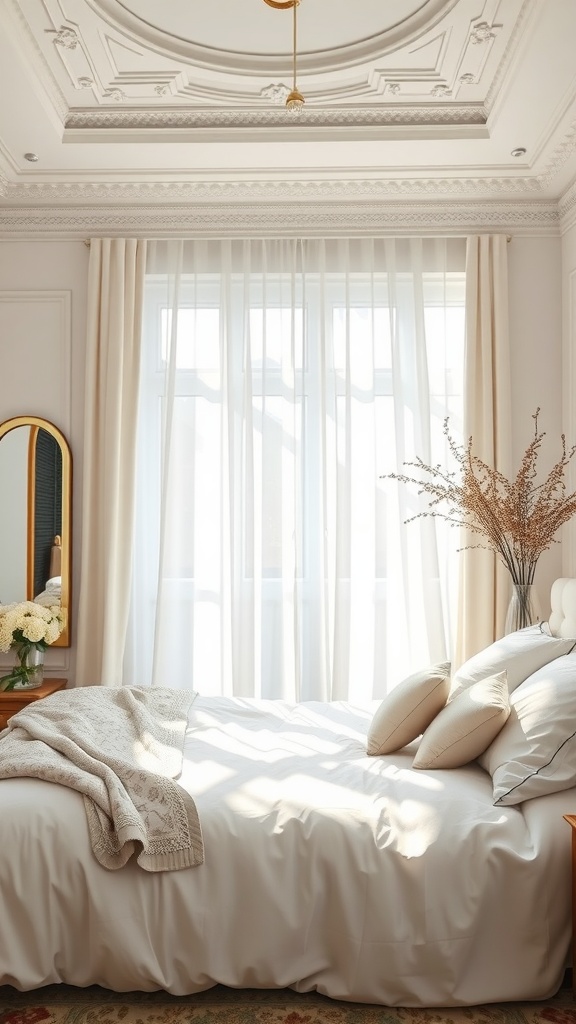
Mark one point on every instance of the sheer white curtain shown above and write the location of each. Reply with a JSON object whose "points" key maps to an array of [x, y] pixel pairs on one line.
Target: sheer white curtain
{"points": [[280, 380]]}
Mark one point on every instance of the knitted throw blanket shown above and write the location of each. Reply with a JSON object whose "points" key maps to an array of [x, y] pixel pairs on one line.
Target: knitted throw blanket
{"points": [[121, 748]]}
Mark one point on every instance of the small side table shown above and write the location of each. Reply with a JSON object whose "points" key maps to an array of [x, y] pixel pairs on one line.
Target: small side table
{"points": [[14, 700], [571, 819]]}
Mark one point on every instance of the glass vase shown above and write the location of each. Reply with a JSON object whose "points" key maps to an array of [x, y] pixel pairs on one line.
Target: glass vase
{"points": [[28, 672], [523, 609]]}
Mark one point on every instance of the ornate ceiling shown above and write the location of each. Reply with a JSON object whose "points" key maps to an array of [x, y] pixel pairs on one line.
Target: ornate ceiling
{"points": [[125, 114]]}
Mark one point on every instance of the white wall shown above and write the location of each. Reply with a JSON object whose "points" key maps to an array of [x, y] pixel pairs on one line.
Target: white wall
{"points": [[14, 516], [535, 290], [42, 335], [569, 377], [42, 370]]}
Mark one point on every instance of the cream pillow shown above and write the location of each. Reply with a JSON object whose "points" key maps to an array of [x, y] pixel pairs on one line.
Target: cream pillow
{"points": [[466, 725], [408, 709], [535, 753], [519, 654]]}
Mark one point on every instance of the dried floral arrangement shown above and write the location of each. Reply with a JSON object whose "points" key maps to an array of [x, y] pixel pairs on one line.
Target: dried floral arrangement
{"points": [[518, 519]]}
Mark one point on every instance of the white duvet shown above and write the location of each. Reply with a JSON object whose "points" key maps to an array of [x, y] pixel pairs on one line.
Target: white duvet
{"points": [[324, 869]]}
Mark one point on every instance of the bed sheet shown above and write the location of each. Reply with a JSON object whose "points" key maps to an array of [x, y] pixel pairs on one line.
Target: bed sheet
{"points": [[324, 869]]}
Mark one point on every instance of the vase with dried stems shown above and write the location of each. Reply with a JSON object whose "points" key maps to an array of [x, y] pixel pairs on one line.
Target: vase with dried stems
{"points": [[518, 519]]}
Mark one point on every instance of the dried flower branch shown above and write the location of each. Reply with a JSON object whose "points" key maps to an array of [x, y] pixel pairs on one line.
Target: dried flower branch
{"points": [[518, 518]]}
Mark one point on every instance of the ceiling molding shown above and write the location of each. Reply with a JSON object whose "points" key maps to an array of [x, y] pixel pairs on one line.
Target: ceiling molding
{"points": [[404, 32], [273, 220], [130, 120], [238, 191], [513, 43], [36, 60], [108, 112]]}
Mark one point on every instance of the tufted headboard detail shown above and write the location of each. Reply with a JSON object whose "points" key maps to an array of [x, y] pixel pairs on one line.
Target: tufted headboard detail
{"points": [[562, 619]]}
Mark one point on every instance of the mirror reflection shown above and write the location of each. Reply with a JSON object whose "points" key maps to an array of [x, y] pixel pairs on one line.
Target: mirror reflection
{"points": [[35, 522]]}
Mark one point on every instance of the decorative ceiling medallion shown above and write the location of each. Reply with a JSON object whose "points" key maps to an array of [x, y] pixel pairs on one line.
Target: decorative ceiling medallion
{"points": [[223, 38]]}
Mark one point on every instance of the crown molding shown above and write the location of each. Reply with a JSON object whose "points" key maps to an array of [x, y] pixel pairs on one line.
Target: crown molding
{"points": [[238, 191], [567, 208], [271, 220], [561, 154]]}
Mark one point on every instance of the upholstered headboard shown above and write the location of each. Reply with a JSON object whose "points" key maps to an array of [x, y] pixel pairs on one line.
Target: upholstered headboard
{"points": [[562, 620]]}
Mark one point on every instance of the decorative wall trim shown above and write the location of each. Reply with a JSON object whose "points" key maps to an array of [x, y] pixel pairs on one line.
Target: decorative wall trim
{"points": [[262, 220]]}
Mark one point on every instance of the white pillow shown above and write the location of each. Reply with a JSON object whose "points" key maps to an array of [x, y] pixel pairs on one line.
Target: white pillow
{"points": [[408, 709], [536, 751], [466, 725], [519, 654]]}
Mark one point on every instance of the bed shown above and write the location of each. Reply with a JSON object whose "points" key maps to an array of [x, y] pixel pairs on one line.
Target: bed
{"points": [[324, 867]]}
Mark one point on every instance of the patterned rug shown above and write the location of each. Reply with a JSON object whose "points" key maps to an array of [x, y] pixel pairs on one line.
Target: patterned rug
{"points": [[62, 1004]]}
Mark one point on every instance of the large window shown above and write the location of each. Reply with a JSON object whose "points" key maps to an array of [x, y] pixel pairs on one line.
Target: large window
{"points": [[278, 387]]}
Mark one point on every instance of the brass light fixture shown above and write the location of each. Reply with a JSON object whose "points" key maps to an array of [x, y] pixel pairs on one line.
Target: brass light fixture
{"points": [[295, 99]]}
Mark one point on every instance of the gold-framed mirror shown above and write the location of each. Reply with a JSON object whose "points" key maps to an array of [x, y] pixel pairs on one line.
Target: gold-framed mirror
{"points": [[36, 521]]}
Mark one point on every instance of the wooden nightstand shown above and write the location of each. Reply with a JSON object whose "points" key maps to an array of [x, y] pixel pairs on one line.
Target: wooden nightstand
{"points": [[15, 700], [571, 819]]}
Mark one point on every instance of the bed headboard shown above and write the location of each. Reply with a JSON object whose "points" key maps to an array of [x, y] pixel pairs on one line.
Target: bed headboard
{"points": [[562, 619]]}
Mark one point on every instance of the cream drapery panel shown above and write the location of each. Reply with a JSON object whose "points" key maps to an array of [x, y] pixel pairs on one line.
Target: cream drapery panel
{"points": [[484, 584], [115, 290]]}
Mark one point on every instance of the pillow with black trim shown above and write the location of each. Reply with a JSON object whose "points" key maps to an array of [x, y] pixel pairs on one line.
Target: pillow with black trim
{"points": [[466, 725], [408, 709], [535, 753], [519, 654]]}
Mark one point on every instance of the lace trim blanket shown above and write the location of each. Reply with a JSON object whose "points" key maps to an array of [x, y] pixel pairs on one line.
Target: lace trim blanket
{"points": [[121, 748]]}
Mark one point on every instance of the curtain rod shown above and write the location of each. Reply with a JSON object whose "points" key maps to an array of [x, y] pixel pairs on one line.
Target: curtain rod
{"points": [[508, 238]]}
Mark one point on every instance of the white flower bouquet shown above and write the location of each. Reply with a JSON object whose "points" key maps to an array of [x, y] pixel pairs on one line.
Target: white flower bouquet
{"points": [[26, 628]]}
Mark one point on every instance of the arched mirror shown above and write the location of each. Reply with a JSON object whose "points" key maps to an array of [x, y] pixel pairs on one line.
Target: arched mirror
{"points": [[35, 523]]}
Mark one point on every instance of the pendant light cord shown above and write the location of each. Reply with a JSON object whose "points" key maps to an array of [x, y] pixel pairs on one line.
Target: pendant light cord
{"points": [[296, 2], [295, 99]]}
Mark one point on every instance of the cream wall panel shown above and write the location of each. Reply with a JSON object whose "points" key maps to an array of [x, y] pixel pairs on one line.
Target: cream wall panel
{"points": [[42, 358], [36, 355]]}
